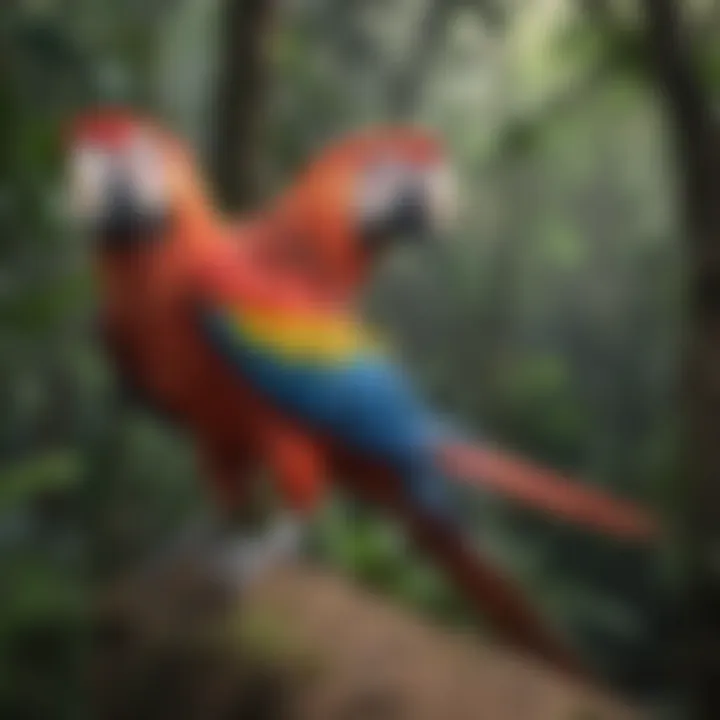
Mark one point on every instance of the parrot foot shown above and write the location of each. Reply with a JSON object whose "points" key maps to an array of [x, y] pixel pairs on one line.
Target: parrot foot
{"points": [[245, 560], [232, 557]]}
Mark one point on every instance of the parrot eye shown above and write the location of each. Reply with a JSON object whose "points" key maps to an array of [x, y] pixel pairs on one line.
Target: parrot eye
{"points": [[381, 187], [147, 174], [392, 202], [398, 199], [119, 192], [89, 168]]}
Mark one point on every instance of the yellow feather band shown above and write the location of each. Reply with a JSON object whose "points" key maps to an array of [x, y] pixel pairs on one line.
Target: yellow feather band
{"points": [[329, 340]]}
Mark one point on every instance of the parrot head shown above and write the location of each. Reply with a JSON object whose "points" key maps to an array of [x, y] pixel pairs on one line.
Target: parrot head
{"points": [[404, 190], [365, 194], [128, 177]]}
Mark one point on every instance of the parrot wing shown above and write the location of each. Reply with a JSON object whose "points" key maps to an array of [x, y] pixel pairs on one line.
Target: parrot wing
{"points": [[312, 361], [317, 364]]}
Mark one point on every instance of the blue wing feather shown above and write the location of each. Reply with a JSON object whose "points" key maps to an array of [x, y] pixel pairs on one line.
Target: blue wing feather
{"points": [[365, 401]]}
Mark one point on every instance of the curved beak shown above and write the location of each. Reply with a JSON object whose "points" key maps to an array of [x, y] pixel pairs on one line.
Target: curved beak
{"points": [[118, 204], [126, 219], [399, 201]]}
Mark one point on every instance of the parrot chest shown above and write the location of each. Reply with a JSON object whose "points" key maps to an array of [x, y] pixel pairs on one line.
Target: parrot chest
{"points": [[178, 376], [151, 332], [157, 353]]}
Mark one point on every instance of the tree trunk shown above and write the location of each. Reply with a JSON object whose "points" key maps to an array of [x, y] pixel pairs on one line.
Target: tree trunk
{"points": [[238, 102], [698, 153], [405, 86]]}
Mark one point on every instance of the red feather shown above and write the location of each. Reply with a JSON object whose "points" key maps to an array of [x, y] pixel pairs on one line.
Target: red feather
{"points": [[493, 595], [147, 296], [548, 491]]}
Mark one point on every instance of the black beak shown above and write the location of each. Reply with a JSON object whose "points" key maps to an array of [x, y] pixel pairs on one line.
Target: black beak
{"points": [[126, 221], [404, 214]]}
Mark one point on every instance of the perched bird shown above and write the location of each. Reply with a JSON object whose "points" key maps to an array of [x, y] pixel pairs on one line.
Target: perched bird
{"points": [[259, 366], [356, 200]]}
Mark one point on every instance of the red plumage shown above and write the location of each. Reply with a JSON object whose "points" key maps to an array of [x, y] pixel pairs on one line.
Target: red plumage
{"points": [[147, 292]]}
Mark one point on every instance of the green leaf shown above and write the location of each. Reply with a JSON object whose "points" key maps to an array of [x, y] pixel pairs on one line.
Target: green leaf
{"points": [[52, 472], [36, 308]]}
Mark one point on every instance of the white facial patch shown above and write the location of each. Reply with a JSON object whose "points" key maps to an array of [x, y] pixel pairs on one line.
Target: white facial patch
{"points": [[90, 169], [147, 174], [387, 186], [381, 188], [135, 169]]}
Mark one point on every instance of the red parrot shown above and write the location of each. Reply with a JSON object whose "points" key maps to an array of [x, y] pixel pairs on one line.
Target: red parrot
{"points": [[258, 365], [357, 197], [336, 223]]}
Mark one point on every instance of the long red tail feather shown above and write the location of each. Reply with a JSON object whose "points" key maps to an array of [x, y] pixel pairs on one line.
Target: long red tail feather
{"points": [[495, 597], [545, 490], [487, 589]]}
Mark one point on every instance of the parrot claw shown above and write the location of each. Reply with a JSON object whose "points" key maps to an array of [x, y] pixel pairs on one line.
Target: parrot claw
{"points": [[236, 559], [244, 561]]}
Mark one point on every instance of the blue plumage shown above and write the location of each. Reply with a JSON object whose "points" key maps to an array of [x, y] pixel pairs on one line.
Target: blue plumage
{"points": [[364, 401]]}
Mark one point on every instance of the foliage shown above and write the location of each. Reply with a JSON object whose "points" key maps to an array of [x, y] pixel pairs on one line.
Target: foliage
{"points": [[550, 322]]}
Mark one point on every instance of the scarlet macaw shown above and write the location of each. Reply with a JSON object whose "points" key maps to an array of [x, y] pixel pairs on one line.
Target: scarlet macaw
{"points": [[257, 364], [332, 227], [353, 201]]}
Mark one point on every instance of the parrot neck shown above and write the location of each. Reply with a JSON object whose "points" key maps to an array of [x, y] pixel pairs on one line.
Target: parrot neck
{"points": [[196, 223], [158, 262]]}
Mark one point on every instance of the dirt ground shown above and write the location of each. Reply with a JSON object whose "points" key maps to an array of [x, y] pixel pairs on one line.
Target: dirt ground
{"points": [[377, 662], [307, 645]]}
